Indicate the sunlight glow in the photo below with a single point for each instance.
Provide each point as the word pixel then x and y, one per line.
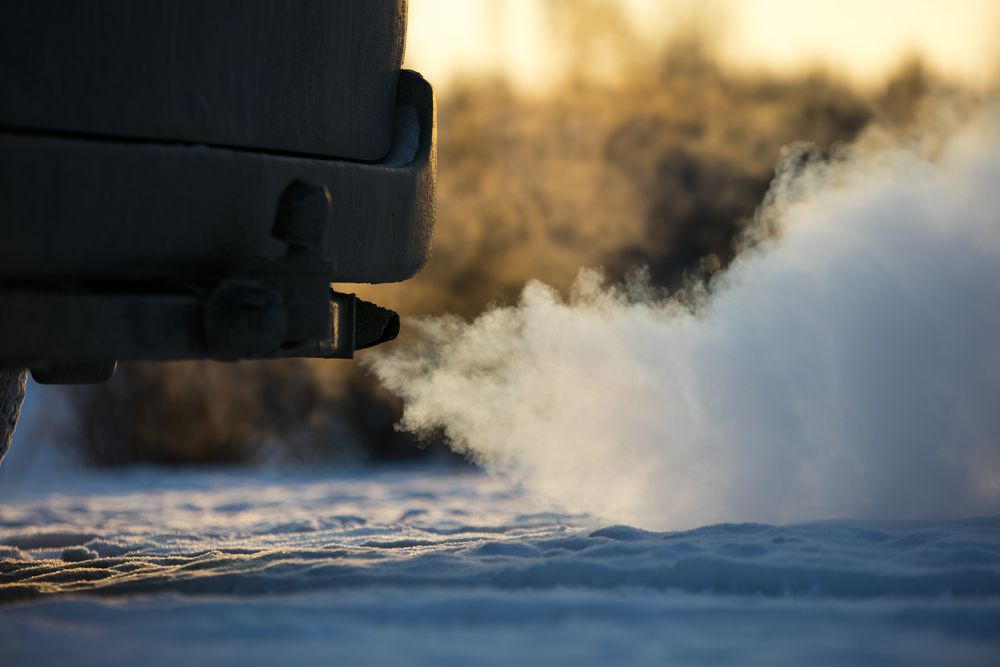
pixel 858 38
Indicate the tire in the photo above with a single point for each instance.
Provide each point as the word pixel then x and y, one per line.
pixel 11 397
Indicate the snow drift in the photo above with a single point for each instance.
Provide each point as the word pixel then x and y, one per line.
pixel 847 363
pixel 426 566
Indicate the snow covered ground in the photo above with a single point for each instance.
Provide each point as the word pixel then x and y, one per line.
pixel 440 566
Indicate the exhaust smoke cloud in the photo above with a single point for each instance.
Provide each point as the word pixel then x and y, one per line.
pixel 847 363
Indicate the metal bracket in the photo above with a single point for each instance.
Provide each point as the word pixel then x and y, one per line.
pixel 280 308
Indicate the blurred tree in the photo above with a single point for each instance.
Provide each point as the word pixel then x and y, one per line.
pixel 660 164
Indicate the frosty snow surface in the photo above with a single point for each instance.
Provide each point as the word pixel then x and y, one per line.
pixel 434 566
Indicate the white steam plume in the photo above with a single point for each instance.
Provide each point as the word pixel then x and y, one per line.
pixel 847 365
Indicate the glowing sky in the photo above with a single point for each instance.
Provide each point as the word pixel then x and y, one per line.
pixel 862 38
